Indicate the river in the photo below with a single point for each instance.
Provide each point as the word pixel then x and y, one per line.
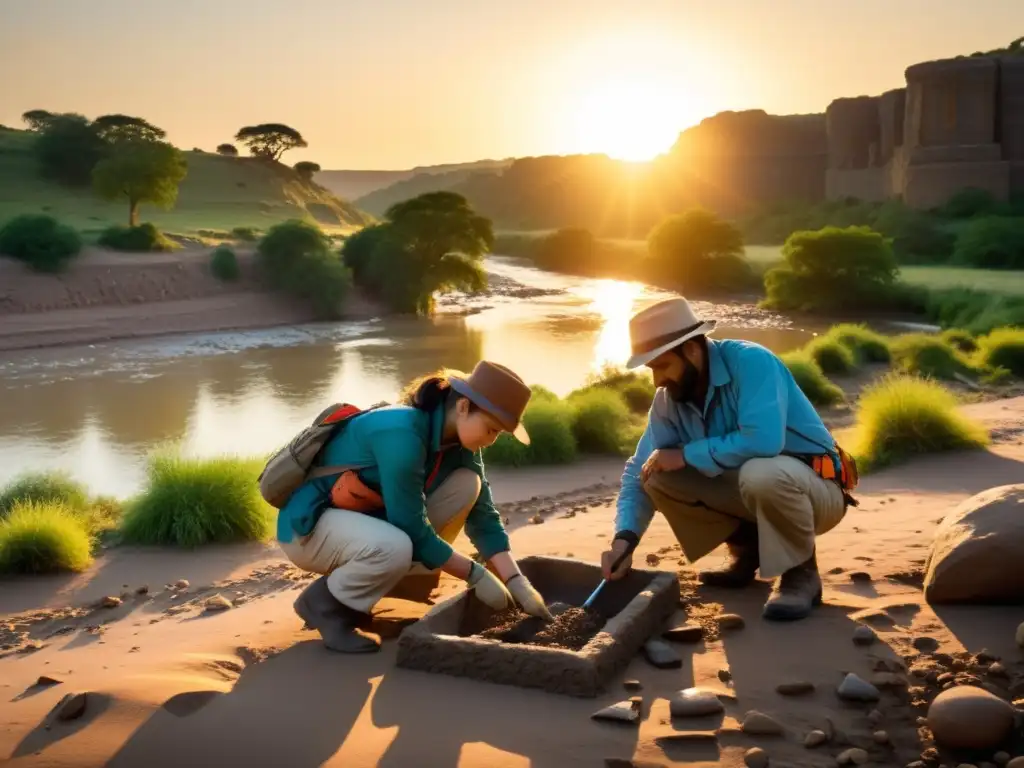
pixel 98 411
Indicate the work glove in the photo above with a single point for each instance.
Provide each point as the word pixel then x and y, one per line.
pixel 528 597
pixel 489 588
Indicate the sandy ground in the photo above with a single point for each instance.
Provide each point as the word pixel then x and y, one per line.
pixel 170 685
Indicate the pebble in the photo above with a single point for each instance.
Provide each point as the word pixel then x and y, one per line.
pixel 760 724
pixel 653 559
pixel 111 601
pixel 47 680
pixel 967 717
pixel 623 712
pixel 724 675
pixel 217 603
pixel 1020 635
pixel 695 702
pixel 875 717
pixel 1001 758
pixel 945 677
pixel 632 685
pixel 731 621
pixel 797 688
pixel 661 655
pixel 860 576
pixel 181 584
pixel 854 688
pixel 880 737
pixel 998 669
pixel 1017 762
pixel 143 590
pixel 687 633
pixel 755 757
pixel 925 644
pixel 815 739
pixel 852 756
pixel 537 519
pixel 864 635
pixel 71 707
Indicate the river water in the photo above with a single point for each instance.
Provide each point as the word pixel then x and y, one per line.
pixel 97 412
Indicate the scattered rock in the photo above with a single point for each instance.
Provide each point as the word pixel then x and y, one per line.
pixel 731 621
pixel 864 635
pixel 797 688
pixel 653 559
pixel 71 707
pixel 880 737
pixel 854 688
pixel 888 680
pixel 967 562
pixel 537 519
pixel 632 685
pixel 695 702
pixel 1017 762
pixel 852 756
pixel 875 717
pixel 661 654
pixel 945 677
pixel 181 584
pixel 111 601
pixel 755 757
pixel 925 644
pixel 966 717
pixel 1001 758
pixel 47 680
pixel 997 669
pixel 623 712
pixel 760 724
pixel 724 675
pixel 815 739
pixel 860 577
pixel 217 603
pixel 638 704
pixel 687 633
pixel 985 656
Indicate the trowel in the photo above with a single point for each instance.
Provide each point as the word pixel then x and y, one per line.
pixel 618 561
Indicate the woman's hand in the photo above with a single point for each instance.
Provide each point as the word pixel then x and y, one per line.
pixel 528 597
pixel 489 588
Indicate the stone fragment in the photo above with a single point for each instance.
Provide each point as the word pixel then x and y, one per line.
pixel 662 655
pixel 217 603
pixel 997 669
pixel 854 688
pixel 181 584
pixel 755 757
pixel 864 635
pixel 860 577
pixel 875 717
pixel 695 702
pixel 814 739
pixel 925 644
pixel 880 737
pixel 143 590
pixel 852 756
pixel 966 717
pixel 71 707
pixel 1001 758
pixel 653 559
pixel 537 519
pixel 731 621
pixel 759 724
pixel 796 688
pixel 632 685
pixel 623 712
pixel 724 675
pixel 687 633
pixel 111 601
pixel 47 680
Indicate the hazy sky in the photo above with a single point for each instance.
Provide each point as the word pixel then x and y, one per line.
pixel 395 83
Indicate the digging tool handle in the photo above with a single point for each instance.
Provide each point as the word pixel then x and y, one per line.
pixel 615 566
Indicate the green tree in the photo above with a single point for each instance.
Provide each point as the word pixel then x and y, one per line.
pixel 698 251
pixel 37 118
pixel 228 150
pixel 67 149
pixel 117 128
pixel 295 256
pixel 306 169
pixel 270 140
pixel 141 172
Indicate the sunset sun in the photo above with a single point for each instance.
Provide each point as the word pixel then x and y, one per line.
pixel 628 118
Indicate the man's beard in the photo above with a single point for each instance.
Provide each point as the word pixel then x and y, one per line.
pixel 684 390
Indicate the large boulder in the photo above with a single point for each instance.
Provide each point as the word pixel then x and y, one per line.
pixel 966 717
pixel 976 553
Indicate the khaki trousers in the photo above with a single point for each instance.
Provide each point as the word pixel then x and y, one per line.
pixel 789 502
pixel 365 557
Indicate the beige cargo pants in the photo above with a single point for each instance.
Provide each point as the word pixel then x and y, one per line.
pixel 789 502
pixel 364 557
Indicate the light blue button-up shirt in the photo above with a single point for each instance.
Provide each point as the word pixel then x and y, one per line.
pixel 754 408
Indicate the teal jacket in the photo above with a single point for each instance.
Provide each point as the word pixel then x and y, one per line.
pixel 753 408
pixel 399 447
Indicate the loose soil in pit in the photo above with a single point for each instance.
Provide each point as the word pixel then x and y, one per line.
pixel 572 628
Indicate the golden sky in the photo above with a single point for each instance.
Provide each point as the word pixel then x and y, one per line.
pixel 389 84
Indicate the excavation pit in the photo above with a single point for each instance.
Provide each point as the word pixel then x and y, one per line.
pixel 575 656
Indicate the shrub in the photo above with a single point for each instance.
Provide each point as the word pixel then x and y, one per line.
pixel 224 264
pixel 549 423
pixel 977 312
pixel 43 243
pixel 928 355
pixel 831 355
pixel 812 380
pixel 600 421
pixel 39 537
pixel 902 416
pixel 867 345
pixel 296 257
pixel 567 250
pixel 145 238
pixel 833 268
pixel 698 251
pixel 968 203
pixel 50 487
pixel 917 238
pixel 959 339
pixel 637 390
pixel 992 243
pixel 188 502
pixel 1003 348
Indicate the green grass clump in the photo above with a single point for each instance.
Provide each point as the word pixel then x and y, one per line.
pixel 145 238
pixel 188 502
pixel 549 423
pixel 43 537
pixel 867 345
pixel 903 416
pixel 635 388
pixel 600 421
pixel 812 380
pixel 927 355
pixel 959 339
pixel 1003 348
pixel 50 487
pixel 224 264
pixel 831 355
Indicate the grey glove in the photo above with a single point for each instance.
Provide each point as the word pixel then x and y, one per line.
pixel 489 588
pixel 528 597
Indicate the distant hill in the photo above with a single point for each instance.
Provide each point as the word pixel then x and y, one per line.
pixel 352 185
pixel 219 193
pixel 378 201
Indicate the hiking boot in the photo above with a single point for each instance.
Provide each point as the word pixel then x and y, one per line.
pixel 741 568
pixel 338 625
pixel 795 593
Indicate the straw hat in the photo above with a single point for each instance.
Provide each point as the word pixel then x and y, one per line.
pixel 498 391
pixel 663 326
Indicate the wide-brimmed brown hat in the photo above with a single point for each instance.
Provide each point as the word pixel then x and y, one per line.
pixel 498 391
pixel 662 326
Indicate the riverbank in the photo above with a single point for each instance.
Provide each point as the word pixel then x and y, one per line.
pixel 106 296
pixel 170 684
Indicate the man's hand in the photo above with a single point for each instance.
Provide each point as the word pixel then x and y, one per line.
pixel 528 597
pixel 662 460
pixel 619 546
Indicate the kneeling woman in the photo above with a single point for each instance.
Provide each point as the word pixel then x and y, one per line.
pixel 420 465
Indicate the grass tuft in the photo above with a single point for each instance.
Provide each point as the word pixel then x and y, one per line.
pixel 43 537
pixel 832 356
pixel 45 488
pixel 928 355
pixel 600 421
pixel 867 346
pixel 1003 348
pixel 812 380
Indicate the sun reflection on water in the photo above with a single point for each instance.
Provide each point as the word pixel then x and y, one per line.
pixel 614 301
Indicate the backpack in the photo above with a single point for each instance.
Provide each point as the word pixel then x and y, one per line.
pixel 295 463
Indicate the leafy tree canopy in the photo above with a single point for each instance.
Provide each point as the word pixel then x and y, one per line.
pixel 270 140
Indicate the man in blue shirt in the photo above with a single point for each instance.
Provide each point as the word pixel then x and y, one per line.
pixel 727 457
